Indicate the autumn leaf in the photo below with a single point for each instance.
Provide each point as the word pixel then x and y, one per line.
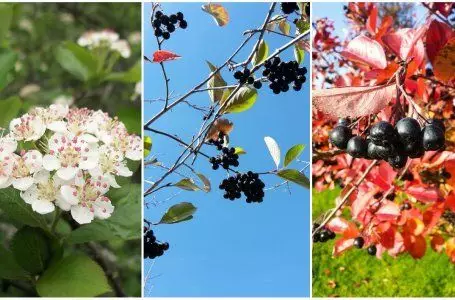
pixel 218 12
pixel 367 51
pixel 164 55
pixel 444 63
pixel 438 35
pixel 221 125
pixel 403 41
pixel 437 242
pixel 353 101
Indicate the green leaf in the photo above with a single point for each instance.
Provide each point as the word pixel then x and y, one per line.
pixel 187 184
pixel 284 27
pixel 239 151
pixel 8 60
pixel 73 276
pixel 273 21
pixel 274 150
pixel 10 269
pixel 215 81
pixel 178 213
pixel 207 186
pixel 15 208
pixel 293 153
pixel 9 109
pixel 295 176
pixel 243 100
pixel 299 54
pixel 147 146
pixel 30 247
pixel 125 223
pixel 6 16
pixel 131 117
pixel 76 60
pixel 261 54
pixel 302 26
pixel 133 75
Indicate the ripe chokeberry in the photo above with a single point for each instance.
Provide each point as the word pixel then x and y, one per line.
pixel 357 147
pixel 372 250
pixel 152 248
pixel 340 136
pixel 433 137
pixel 248 183
pixel 408 130
pixel 382 133
pixel 359 242
pixel 289 7
pixel 164 25
pixel 398 161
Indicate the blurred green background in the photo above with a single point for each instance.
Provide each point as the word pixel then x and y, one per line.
pixel 357 274
pixel 36 68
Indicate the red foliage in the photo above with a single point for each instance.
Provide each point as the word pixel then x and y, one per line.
pixel 344 71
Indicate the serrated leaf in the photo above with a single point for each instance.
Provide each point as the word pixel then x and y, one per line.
pixel 16 209
pixel 293 153
pixel 147 146
pixel 76 60
pixel 273 21
pixel 284 26
pixel 295 176
pixel 299 54
pixel 30 247
pixel 274 150
pixel 218 12
pixel 239 151
pixel 10 268
pixel 243 100
pixel 178 213
pixel 261 54
pixel 187 184
pixel 207 186
pixel 216 81
pixel 73 276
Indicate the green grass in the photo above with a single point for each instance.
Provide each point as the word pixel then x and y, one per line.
pixel 356 274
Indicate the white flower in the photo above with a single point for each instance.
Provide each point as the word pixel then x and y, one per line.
pixel 52 117
pixel 64 100
pixel 105 127
pixel 24 168
pixel 87 200
pixel 7 147
pixel 94 39
pixel 128 144
pixel 69 153
pixel 122 47
pixel 135 37
pixel 28 128
pixel 111 164
pixel 45 193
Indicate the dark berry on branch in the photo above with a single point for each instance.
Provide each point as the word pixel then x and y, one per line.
pixel 289 7
pixel 166 35
pixel 158 14
pixel 257 84
pixel 165 20
pixel 382 133
pixel 250 80
pixel 152 248
pixel 307 9
pixel 391 196
pixel 359 242
pixel 437 122
pixel 238 75
pixel 357 147
pixel 183 24
pixel 340 136
pixel 343 122
pixel 406 206
pixel 170 28
pixel 433 137
pixel 156 23
pixel 179 16
pixel 408 130
pixel 372 250
pixel 173 19
pixel 324 236
pixel 397 161
pixel 158 32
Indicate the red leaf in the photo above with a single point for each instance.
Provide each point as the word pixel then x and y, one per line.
pixel 450 202
pixel 359 204
pixel 415 245
pixel 164 55
pixel 341 245
pixel 364 50
pixel 437 242
pixel 424 193
pixel 388 211
pixel 438 35
pixel 402 41
pixel 414 226
pixel 372 19
pixel 341 226
pixel 385 25
pixel 386 235
pixel 353 101
pixel 432 215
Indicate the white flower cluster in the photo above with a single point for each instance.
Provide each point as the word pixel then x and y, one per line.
pixel 105 38
pixel 67 158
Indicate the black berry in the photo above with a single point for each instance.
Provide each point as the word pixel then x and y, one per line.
pixel 357 147
pixel 433 137
pixel 372 250
pixel 359 242
pixel 340 136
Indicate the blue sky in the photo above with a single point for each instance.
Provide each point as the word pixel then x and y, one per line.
pixel 229 248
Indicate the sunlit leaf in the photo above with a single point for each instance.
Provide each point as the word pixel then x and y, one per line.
pixel 284 26
pixel 293 153
pixel 274 149
pixel 207 186
pixel 243 100
pixel 147 145
pixel 187 184
pixel 216 81
pixel 444 63
pixel 218 12
pixel 295 176
pixel 299 54
pixel 239 151
pixel 261 54
pixel 164 55
pixel 178 213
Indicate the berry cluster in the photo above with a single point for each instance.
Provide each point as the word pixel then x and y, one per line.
pixel 249 183
pixel 280 74
pixel 152 248
pixel 228 158
pixel 164 25
pixel 322 235
pixel 219 142
pixel 359 242
pixel 393 144
pixel 245 77
pixel 289 7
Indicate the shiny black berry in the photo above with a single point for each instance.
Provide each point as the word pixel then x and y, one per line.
pixel 166 35
pixel 359 242
pixel 357 147
pixel 183 24
pixel 437 122
pixel 340 136
pixel 372 250
pixel 433 137
pixel 408 130
pixel 397 161
pixel 382 133
pixel 257 84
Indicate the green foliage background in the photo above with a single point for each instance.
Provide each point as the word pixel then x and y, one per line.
pixel 37 48
pixel 357 274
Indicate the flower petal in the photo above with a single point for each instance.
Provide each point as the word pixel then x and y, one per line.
pixel 30 195
pixel 33 160
pixel 103 208
pixel 69 194
pixel 23 184
pixel 82 214
pixel 66 173
pixel 43 206
pixel 51 162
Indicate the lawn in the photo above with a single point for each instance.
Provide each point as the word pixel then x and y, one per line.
pixel 356 274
